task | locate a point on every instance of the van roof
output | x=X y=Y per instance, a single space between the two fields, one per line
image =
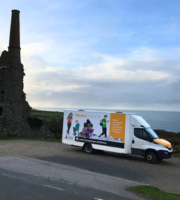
x=101 y=111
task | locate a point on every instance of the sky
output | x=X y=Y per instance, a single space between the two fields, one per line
x=98 y=54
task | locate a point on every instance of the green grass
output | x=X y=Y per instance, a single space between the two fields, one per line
x=154 y=193
x=176 y=155
x=29 y=139
x=47 y=115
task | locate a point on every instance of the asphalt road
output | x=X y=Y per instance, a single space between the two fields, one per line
x=27 y=178
x=25 y=187
x=164 y=175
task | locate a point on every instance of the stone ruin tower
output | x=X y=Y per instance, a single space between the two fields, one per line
x=14 y=109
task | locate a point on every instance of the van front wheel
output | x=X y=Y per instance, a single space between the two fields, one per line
x=88 y=148
x=151 y=157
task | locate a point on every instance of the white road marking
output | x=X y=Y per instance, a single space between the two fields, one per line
x=9 y=175
x=49 y=186
x=97 y=198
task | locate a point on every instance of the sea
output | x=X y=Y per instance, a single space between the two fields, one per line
x=162 y=120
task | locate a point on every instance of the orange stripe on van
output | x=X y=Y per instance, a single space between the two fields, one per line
x=163 y=142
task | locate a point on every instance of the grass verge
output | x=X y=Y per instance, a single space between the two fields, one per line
x=47 y=115
x=154 y=193
x=30 y=139
x=176 y=155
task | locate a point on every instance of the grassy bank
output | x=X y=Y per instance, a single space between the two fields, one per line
x=154 y=193
x=47 y=115
x=177 y=155
x=52 y=122
x=173 y=138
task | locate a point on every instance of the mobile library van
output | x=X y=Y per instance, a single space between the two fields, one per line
x=118 y=132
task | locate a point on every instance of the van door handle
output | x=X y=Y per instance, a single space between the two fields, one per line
x=133 y=141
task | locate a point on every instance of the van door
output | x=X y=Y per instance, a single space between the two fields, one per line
x=140 y=141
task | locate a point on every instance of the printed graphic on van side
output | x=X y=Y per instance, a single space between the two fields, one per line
x=97 y=128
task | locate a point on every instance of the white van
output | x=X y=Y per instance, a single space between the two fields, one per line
x=118 y=132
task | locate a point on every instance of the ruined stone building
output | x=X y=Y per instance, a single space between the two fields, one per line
x=14 y=109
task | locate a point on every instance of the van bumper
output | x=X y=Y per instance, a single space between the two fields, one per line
x=164 y=154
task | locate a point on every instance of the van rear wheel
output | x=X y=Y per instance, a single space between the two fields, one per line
x=88 y=148
x=151 y=157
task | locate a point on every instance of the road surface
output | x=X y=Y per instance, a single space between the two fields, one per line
x=25 y=178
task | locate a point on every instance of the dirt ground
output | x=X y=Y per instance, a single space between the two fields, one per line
x=29 y=148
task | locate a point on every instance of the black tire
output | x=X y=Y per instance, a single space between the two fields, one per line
x=151 y=157
x=160 y=159
x=88 y=148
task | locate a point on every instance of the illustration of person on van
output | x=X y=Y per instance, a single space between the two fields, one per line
x=76 y=128
x=69 y=122
x=87 y=131
x=88 y=122
x=103 y=123
x=84 y=130
x=90 y=130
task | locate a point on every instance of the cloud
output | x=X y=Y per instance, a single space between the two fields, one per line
x=103 y=82
x=106 y=81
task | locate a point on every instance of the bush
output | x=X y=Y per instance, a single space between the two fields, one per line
x=54 y=126
x=173 y=138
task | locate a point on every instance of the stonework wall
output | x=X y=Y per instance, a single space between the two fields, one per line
x=15 y=107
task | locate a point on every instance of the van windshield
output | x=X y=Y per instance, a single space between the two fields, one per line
x=152 y=133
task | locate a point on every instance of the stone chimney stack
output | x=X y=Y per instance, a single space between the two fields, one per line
x=14 y=38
